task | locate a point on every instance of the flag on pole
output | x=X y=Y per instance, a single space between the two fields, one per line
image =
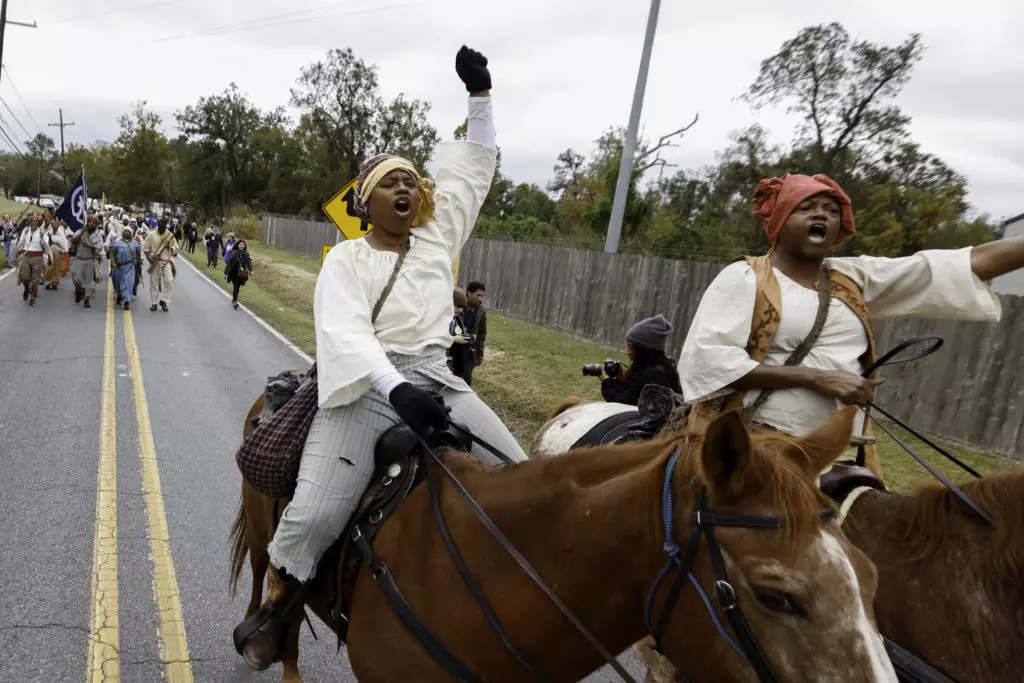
x=103 y=201
x=72 y=209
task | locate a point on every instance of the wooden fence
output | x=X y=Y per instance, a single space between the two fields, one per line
x=297 y=235
x=971 y=391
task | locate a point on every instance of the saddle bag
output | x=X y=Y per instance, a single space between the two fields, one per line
x=269 y=458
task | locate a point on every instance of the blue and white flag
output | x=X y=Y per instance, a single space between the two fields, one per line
x=72 y=209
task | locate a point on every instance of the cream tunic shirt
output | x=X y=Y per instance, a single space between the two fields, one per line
x=929 y=284
x=349 y=347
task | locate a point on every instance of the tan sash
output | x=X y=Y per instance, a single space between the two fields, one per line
x=763 y=327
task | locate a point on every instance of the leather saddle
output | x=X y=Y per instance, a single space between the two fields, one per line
x=654 y=408
x=399 y=467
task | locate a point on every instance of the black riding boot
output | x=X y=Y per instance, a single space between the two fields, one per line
x=258 y=638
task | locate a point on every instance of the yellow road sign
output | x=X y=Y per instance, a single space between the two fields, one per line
x=341 y=210
x=323 y=253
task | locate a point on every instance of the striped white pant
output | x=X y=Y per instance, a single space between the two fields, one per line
x=337 y=462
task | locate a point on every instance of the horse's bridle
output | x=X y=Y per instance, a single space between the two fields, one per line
x=703 y=523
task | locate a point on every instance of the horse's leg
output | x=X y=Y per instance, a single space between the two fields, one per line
x=289 y=653
x=259 y=513
x=259 y=561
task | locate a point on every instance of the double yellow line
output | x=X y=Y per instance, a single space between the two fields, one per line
x=104 y=642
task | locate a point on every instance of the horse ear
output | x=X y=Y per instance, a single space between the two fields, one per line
x=725 y=455
x=826 y=443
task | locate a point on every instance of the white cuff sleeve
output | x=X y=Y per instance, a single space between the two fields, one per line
x=480 y=125
x=386 y=379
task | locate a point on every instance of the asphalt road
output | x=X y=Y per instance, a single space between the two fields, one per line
x=202 y=365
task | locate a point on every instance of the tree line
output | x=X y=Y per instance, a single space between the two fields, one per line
x=227 y=152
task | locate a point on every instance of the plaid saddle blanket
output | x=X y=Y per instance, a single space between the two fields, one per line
x=269 y=458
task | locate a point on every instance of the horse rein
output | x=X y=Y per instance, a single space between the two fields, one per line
x=885 y=360
x=703 y=523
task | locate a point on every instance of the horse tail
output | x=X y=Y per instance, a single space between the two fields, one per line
x=239 y=545
x=565 y=404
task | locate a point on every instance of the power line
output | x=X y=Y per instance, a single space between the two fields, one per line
x=10 y=142
x=23 y=105
x=15 y=116
x=272 y=21
x=272 y=18
x=107 y=13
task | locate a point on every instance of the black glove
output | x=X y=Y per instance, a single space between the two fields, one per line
x=418 y=409
x=472 y=69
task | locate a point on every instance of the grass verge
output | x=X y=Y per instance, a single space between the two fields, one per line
x=528 y=369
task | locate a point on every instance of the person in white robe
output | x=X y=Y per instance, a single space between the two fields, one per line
x=160 y=248
x=382 y=308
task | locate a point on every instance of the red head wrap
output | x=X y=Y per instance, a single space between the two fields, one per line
x=776 y=198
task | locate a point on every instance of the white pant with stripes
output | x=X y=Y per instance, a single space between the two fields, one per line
x=337 y=462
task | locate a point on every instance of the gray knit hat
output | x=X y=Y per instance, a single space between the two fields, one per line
x=651 y=333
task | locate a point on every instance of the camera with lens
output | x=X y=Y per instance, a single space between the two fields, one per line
x=612 y=368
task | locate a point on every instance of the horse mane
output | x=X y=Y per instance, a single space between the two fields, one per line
x=936 y=513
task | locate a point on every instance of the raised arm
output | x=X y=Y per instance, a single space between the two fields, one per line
x=465 y=169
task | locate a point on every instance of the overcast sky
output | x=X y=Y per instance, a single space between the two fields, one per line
x=563 y=70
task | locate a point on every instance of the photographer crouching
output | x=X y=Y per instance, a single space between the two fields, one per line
x=645 y=346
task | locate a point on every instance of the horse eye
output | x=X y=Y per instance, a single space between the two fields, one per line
x=778 y=602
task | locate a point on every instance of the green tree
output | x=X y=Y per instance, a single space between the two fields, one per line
x=838 y=87
x=140 y=154
x=345 y=120
x=230 y=126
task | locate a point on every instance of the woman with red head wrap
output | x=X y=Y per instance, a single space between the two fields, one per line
x=805 y=217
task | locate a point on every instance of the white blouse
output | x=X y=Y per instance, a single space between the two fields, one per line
x=350 y=349
x=933 y=284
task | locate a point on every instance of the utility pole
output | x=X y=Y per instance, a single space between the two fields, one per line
x=63 y=169
x=611 y=244
x=3 y=25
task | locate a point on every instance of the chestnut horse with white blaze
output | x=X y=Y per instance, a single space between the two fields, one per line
x=591 y=524
x=949 y=586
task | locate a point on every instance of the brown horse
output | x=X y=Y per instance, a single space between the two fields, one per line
x=590 y=522
x=949 y=587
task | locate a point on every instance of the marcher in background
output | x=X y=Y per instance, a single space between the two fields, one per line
x=238 y=270
x=193 y=235
x=126 y=259
x=214 y=245
x=645 y=346
x=160 y=248
x=228 y=244
x=59 y=245
x=85 y=266
x=34 y=247
x=10 y=239
x=66 y=231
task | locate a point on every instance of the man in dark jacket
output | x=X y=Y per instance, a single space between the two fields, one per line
x=474 y=319
x=645 y=346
